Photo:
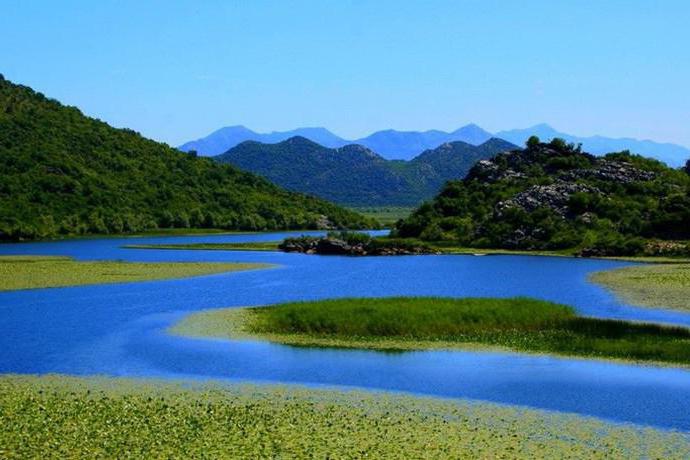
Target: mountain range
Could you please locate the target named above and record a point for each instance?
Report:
(405, 145)
(391, 144)
(63, 173)
(355, 175)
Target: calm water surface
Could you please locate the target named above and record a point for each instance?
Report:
(119, 329)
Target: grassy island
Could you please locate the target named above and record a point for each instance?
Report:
(245, 246)
(659, 286)
(67, 417)
(28, 272)
(517, 324)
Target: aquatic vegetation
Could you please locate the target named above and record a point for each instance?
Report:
(246, 246)
(27, 272)
(409, 323)
(661, 286)
(69, 417)
(387, 215)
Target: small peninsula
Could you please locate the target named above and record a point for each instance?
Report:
(32, 272)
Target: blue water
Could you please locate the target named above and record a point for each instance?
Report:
(119, 329)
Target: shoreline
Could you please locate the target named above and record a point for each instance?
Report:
(460, 251)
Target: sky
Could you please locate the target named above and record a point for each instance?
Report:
(177, 70)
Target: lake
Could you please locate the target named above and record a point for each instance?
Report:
(119, 329)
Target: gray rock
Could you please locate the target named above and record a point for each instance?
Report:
(615, 171)
(332, 246)
(489, 171)
(323, 223)
(555, 196)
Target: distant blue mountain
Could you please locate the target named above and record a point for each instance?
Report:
(672, 154)
(472, 134)
(226, 138)
(405, 145)
(391, 144)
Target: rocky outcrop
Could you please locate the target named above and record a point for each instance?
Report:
(335, 246)
(323, 223)
(614, 171)
(555, 196)
(489, 171)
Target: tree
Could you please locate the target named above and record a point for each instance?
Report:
(687, 167)
(560, 144)
(532, 142)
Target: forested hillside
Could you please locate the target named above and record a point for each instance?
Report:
(554, 196)
(62, 173)
(356, 176)
(451, 161)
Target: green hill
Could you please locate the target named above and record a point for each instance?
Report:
(353, 175)
(62, 173)
(450, 161)
(553, 196)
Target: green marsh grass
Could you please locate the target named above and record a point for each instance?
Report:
(518, 324)
(28, 272)
(248, 246)
(660, 286)
(387, 215)
(67, 417)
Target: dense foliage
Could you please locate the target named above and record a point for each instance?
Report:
(62, 173)
(356, 176)
(554, 196)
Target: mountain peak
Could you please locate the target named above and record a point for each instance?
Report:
(544, 126)
(468, 128)
(233, 129)
(299, 140)
(359, 149)
(499, 141)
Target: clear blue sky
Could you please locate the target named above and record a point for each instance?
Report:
(177, 70)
